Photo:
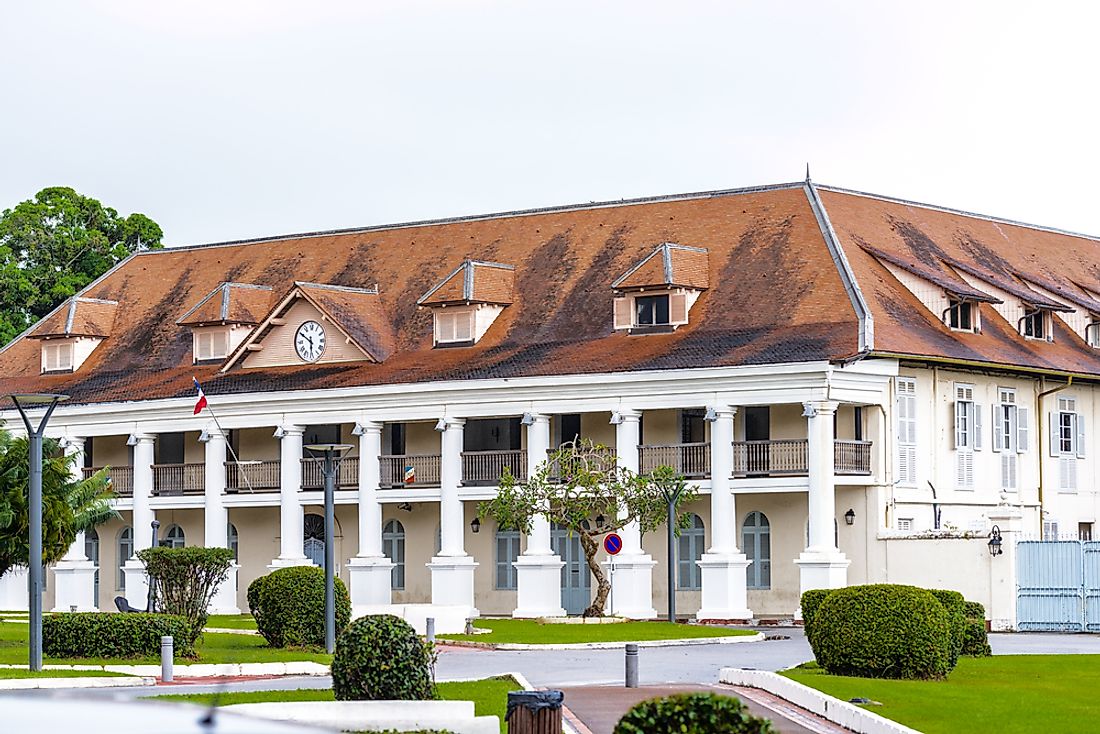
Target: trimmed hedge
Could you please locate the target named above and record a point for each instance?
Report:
(882, 631)
(811, 601)
(975, 637)
(289, 606)
(380, 657)
(111, 635)
(955, 605)
(186, 578)
(692, 713)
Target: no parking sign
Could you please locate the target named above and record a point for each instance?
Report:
(612, 543)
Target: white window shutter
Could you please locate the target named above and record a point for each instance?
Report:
(622, 312)
(1022, 430)
(964, 469)
(998, 436)
(960, 432)
(976, 426)
(464, 326)
(677, 308)
(1079, 437)
(1067, 471)
(1055, 437)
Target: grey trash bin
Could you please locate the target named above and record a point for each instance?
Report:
(534, 712)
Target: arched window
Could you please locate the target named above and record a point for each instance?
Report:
(125, 550)
(756, 542)
(393, 546)
(232, 540)
(507, 551)
(313, 542)
(91, 550)
(174, 537)
(689, 549)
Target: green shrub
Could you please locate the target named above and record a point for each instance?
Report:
(955, 605)
(811, 600)
(380, 657)
(111, 635)
(692, 713)
(974, 610)
(186, 579)
(882, 631)
(976, 638)
(289, 606)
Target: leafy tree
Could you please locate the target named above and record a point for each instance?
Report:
(69, 506)
(582, 488)
(186, 579)
(53, 245)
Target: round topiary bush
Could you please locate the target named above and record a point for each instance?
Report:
(289, 606)
(380, 657)
(976, 637)
(692, 713)
(883, 631)
(811, 600)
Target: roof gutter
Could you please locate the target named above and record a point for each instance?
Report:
(976, 364)
(855, 295)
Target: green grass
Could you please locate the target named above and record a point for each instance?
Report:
(530, 632)
(231, 621)
(1005, 694)
(490, 696)
(21, 673)
(213, 647)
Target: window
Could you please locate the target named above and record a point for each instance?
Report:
(125, 550)
(454, 326)
(1067, 441)
(174, 538)
(1050, 530)
(313, 540)
(1010, 434)
(906, 409)
(507, 551)
(689, 549)
(393, 547)
(960, 315)
(905, 524)
(1033, 324)
(756, 542)
(233, 541)
(57, 356)
(211, 343)
(651, 310)
(1084, 531)
(1092, 334)
(968, 434)
(91, 550)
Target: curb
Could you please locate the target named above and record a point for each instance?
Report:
(199, 670)
(839, 712)
(25, 684)
(758, 637)
(230, 631)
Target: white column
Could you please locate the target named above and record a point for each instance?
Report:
(370, 571)
(291, 519)
(452, 570)
(217, 517)
(1002, 569)
(723, 566)
(632, 570)
(821, 565)
(74, 575)
(538, 570)
(137, 584)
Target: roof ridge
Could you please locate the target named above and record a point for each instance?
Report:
(333, 287)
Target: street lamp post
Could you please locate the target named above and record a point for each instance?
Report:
(34, 508)
(331, 453)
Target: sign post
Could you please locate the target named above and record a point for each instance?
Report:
(612, 544)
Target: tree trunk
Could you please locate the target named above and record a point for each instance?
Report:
(603, 587)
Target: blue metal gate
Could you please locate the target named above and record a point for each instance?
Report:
(1058, 586)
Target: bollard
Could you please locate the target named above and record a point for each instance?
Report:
(166, 659)
(429, 629)
(631, 665)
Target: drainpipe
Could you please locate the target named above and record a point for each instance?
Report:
(1040, 433)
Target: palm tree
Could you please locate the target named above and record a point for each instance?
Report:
(69, 506)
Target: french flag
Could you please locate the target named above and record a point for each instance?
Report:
(201, 402)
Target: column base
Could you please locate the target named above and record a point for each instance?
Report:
(15, 590)
(74, 586)
(631, 586)
(538, 587)
(281, 562)
(453, 582)
(225, 598)
(371, 580)
(826, 569)
(137, 583)
(724, 594)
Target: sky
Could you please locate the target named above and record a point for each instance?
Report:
(225, 119)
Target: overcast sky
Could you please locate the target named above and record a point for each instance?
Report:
(224, 119)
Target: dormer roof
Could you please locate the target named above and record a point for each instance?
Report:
(1075, 294)
(668, 266)
(1011, 284)
(943, 277)
(474, 281)
(78, 316)
(229, 303)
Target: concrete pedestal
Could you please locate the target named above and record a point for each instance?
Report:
(288, 563)
(724, 587)
(821, 570)
(14, 591)
(137, 583)
(74, 586)
(631, 586)
(371, 580)
(538, 587)
(453, 582)
(224, 600)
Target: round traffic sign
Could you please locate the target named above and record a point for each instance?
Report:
(612, 543)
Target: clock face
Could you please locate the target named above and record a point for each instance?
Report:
(309, 342)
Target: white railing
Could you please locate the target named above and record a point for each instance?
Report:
(347, 475)
(178, 479)
(483, 468)
(409, 470)
(690, 459)
(257, 476)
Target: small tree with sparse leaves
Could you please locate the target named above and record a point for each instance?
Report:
(582, 488)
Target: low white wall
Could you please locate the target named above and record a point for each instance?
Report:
(454, 716)
(449, 619)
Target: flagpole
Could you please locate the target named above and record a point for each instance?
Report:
(228, 443)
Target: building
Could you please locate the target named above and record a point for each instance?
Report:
(860, 387)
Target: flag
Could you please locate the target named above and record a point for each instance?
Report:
(201, 402)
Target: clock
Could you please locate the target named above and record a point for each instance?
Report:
(309, 341)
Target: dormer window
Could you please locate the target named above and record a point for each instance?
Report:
(651, 310)
(962, 315)
(1034, 324)
(1092, 334)
(467, 301)
(72, 332)
(223, 318)
(656, 294)
(57, 355)
(211, 343)
(454, 325)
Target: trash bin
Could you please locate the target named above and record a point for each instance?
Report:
(534, 712)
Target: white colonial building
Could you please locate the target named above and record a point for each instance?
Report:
(860, 387)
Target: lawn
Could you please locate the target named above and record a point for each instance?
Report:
(1006, 694)
(231, 621)
(212, 648)
(530, 632)
(490, 696)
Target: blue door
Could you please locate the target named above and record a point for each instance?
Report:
(576, 579)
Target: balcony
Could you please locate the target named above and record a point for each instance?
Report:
(483, 468)
(252, 476)
(173, 480)
(122, 478)
(690, 459)
(788, 457)
(409, 470)
(347, 475)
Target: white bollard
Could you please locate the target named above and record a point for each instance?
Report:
(429, 629)
(166, 659)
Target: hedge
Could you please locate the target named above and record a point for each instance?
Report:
(811, 601)
(112, 635)
(955, 605)
(289, 606)
(882, 631)
(692, 713)
(186, 578)
(380, 657)
(975, 638)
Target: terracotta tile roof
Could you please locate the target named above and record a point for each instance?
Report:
(933, 273)
(230, 303)
(1013, 285)
(78, 317)
(474, 281)
(668, 266)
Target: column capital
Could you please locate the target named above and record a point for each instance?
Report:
(72, 444)
(213, 432)
(449, 423)
(718, 412)
(532, 418)
(283, 431)
(138, 438)
(811, 408)
(625, 415)
(362, 428)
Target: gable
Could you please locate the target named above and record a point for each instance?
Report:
(277, 344)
